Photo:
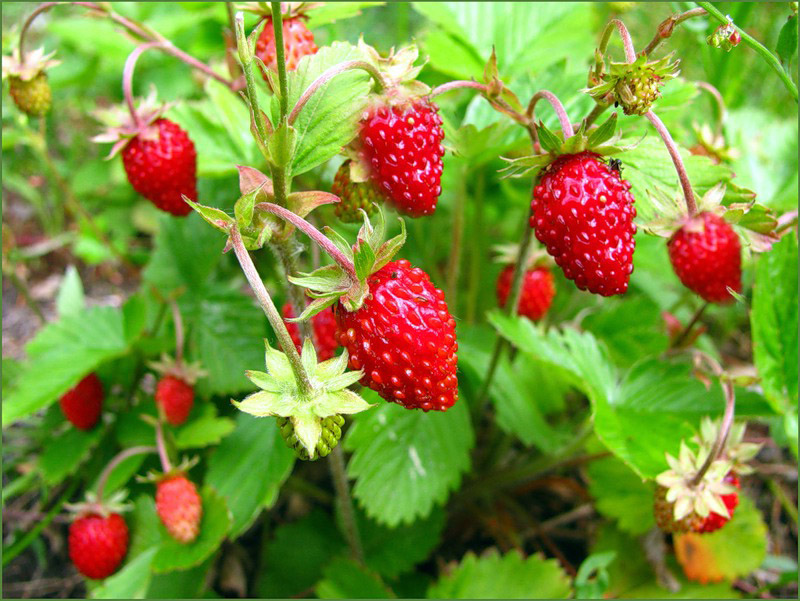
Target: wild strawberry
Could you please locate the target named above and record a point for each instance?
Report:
(537, 291)
(715, 521)
(298, 42)
(663, 512)
(324, 331)
(329, 438)
(353, 196)
(635, 86)
(179, 507)
(176, 397)
(706, 255)
(402, 144)
(82, 404)
(583, 213)
(403, 337)
(163, 167)
(98, 544)
(32, 97)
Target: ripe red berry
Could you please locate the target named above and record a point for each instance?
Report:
(82, 404)
(537, 291)
(404, 339)
(97, 544)
(179, 508)
(403, 146)
(163, 168)
(715, 521)
(298, 42)
(706, 255)
(663, 512)
(324, 331)
(583, 214)
(176, 397)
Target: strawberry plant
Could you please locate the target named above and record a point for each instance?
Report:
(400, 300)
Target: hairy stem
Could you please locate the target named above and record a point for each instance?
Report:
(179, 337)
(330, 74)
(672, 148)
(313, 233)
(454, 85)
(161, 445)
(277, 25)
(127, 78)
(119, 458)
(563, 118)
(346, 504)
(297, 298)
(274, 317)
(246, 60)
(26, 25)
(667, 26)
(682, 336)
(760, 49)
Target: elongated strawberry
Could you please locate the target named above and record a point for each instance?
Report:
(536, 294)
(324, 331)
(583, 213)
(179, 507)
(403, 337)
(82, 404)
(298, 41)
(98, 544)
(162, 167)
(403, 145)
(706, 255)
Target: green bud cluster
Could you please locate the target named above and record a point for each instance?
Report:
(331, 434)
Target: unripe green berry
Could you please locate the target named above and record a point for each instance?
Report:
(33, 97)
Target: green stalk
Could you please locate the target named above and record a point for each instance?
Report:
(346, 504)
(454, 261)
(760, 49)
(277, 24)
(477, 248)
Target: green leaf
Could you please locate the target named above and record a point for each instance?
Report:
(130, 582)
(70, 299)
(144, 525)
(61, 354)
(64, 454)
(345, 579)
(621, 495)
(394, 551)
(287, 573)
(254, 447)
(215, 524)
(731, 552)
(329, 119)
(605, 132)
(774, 323)
(121, 474)
(405, 462)
(509, 576)
(182, 584)
(787, 40)
(548, 140)
(337, 11)
(205, 430)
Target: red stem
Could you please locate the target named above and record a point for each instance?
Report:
(563, 118)
(39, 10)
(127, 78)
(313, 233)
(672, 148)
(162, 447)
(627, 42)
(453, 85)
(119, 458)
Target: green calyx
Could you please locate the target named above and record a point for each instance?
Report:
(305, 412)
(331, 434)
(332, 283)
(635, 86)
(602, 140)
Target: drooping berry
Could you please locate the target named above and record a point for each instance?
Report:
(404, 339)
(163, 167)
(331, 434)
(33, 97)
(536, 294)
(176, 398)
(82, 404)
(715, 521)
(179, 507)
(98, 544)
(706, 255)
(298, 41)
(583, 214)
(324, 332)
(663, 511)
(353, 196)
(403, 146)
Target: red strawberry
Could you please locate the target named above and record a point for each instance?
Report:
(706, 255)
(404, 339)
(663, 511)
(537, 291)
(324, 331)
(97, 544)
(403, 146)
(179, 507)
(176, 397)
(82, 404)
(715, 521)
(583, 214)
(163, 168)
(298, 42)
